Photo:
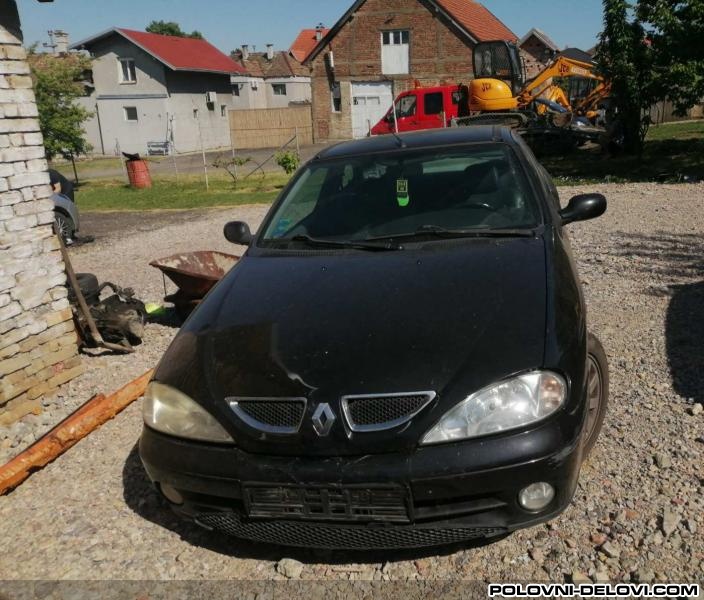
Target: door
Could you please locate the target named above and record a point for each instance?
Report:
(370, 102)
(432, 110)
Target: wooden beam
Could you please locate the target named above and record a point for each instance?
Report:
(94, 413)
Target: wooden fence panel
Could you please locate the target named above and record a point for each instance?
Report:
(270, 127)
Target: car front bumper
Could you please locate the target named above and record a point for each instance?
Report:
(451, 492)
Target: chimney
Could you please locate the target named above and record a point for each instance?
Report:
(319, 32)
(61, 42)
(270, 51)
(245, 52)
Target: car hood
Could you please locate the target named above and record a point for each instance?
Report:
(450, 318)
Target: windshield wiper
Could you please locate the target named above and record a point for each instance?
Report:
(355, 245)
(442, 232)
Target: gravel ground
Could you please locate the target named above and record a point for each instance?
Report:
(637, 513)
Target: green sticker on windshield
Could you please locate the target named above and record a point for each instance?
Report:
(402, 195)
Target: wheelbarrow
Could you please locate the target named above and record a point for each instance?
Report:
(194, 273)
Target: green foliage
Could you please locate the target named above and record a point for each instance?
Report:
(651, 50)
(171, 28)
(232, 165)
(57, 85)
(288, 160)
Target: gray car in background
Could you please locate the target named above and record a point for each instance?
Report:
(66, 217)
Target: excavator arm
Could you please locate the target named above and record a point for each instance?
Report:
(561, 67)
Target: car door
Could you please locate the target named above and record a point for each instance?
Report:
(432, 110)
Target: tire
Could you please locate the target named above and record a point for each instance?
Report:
(65, 226)
(88, 283)
(597, 394)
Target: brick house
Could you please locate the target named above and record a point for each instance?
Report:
(380, 48)
(537, 49)
(38, 342)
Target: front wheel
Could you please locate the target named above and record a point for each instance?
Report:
(597, 393)
(65, 227)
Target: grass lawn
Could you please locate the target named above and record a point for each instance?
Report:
(170, 193)
(673, 152)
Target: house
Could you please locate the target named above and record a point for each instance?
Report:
(154, 90)
(537, 50)
(271, 79)
(380, 48)
(306, 42)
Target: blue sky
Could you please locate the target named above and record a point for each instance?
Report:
(231, 23)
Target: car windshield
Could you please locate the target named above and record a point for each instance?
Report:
(475, 188)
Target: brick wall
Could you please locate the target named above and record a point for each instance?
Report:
(38, 350)
(439, 55)
(535, 56)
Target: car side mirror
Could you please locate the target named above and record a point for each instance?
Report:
(583, 207)
(237, 232)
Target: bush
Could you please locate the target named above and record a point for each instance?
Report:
(288, 160)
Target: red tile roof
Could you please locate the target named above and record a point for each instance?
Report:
(304, 44)
(183, 54)
(478, 20)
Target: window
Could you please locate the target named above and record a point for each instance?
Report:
(336, 97)
(356, 198)
(128, 73)
(279, 89)
(433, 103)
(131, 113)
(195, 113)
(236, 89)
(406, 106)
(395, 52)
(223, 110)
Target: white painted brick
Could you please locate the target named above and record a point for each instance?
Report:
(60, 304)
(4, 186)
(26, 208)
(17, 139)
(45, 204)
(19, 81)
(17, 96)
(21, 153)
(20, 168)
(4, 83)
(24, 250)
(6, 212)
(37, 326)
(25, 277)
(4, 300)
(20, 223)
(38, 164)
(31, 139)
(11, 111)
(19, 125)
(14, 67)
(45, 218)
(11, 310)
(28, 110)
(30, 294)
(28, 179)
(10, 198)
(6, 169)
(15, 52)
(42, 191)
(4, 140)
(6, 282)
(7, 38)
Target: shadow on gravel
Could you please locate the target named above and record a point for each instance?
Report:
(678, 256)
(143, 499)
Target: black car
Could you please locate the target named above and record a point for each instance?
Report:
(401, 359)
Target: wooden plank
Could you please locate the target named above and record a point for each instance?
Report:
(270, 127)
(94, 413)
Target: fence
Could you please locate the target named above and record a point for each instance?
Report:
(664, 112)
(270, 127)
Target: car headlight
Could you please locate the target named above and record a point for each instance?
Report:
(173, 412)
(505, 405)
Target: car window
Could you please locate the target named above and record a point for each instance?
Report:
(478, 186)
(406, 106)
(433, 103)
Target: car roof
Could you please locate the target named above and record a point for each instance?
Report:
(434, 138)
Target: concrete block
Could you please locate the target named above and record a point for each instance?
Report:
(28, 179)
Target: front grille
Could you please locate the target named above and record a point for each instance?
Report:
(383, 411)
(360, 504)
(350, 537)
(270, 415)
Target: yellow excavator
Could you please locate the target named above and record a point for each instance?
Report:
(501, 94)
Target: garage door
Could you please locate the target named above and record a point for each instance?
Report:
(370, 102)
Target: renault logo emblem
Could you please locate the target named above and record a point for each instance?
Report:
(323, 419)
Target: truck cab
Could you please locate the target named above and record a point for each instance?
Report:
(424, 108)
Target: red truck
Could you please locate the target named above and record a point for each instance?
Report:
(425, 108)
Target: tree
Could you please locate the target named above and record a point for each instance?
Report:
(57, 85)
(651, 51)
(171, 28)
